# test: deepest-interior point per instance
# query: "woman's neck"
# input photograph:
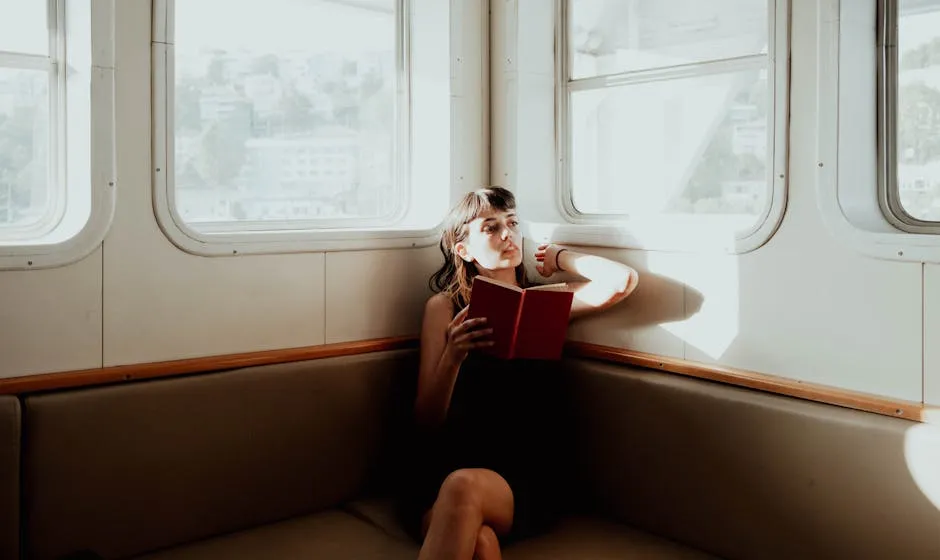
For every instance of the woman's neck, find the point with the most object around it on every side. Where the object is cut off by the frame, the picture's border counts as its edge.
(507, 275)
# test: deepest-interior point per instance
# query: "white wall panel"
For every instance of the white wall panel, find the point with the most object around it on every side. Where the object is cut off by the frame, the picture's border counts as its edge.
(161, 303)
(502, 86)
(50, 319)
(932, 335)
(822, 317)
(172, 305)
(374, 294)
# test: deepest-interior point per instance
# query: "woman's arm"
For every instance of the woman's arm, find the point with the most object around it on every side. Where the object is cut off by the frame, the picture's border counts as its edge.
(608, 282)
(445, 342)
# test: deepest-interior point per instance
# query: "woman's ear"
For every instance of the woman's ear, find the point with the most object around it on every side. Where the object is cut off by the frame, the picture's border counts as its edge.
(461, 250)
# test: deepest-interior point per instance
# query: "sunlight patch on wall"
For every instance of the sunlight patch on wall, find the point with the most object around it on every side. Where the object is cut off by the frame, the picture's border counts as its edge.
(712, 299)
(922, 453)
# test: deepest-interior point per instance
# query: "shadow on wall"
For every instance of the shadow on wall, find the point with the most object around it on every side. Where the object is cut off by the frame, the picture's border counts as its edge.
(645, 308)
(650, 320)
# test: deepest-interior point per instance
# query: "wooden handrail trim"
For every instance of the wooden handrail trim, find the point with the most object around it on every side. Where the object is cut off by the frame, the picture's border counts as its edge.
(729, 376)
(135, 372)
(761, 382)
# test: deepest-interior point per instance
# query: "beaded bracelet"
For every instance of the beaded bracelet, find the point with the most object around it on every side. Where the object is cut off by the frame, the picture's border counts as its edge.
(557, 266)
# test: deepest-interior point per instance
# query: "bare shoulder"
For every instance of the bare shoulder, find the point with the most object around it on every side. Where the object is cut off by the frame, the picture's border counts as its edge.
(439, 309)
(439, 304)
(438, 313)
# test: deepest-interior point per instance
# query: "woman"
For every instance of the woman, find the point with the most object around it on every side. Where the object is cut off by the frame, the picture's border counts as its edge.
(483, 470)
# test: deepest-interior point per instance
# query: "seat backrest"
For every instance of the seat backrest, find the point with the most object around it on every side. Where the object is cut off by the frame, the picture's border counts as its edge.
(744, 474)
(126, 469)
(9, 477)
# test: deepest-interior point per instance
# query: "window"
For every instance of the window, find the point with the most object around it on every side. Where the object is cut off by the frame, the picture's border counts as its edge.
(52, 210)
(909, 104)
(30, 195)
(673, 112)
(300, 135)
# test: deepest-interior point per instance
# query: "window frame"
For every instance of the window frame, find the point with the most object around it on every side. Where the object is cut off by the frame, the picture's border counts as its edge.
(847, 146)
(887, 19)
(78, 116)
(292, 237)
(630, 232)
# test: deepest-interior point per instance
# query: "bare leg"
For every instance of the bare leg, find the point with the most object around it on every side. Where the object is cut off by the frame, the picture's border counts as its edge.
(487, 545)
(468, 500)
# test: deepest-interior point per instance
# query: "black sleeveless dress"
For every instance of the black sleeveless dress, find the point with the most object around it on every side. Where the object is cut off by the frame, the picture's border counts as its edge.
(506, 416)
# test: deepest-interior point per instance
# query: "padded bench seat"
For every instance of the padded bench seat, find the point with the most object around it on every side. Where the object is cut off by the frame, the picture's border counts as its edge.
(329, 534)
(366, 530)
(9, 476)
(273, 462)
(130, 469)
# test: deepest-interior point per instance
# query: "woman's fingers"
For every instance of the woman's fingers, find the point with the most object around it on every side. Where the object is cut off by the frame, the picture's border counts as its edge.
(477, 334)
(465, 327)
(468, 324)
(472, 335)
(472, 323)
(459, 317)
(478, 344)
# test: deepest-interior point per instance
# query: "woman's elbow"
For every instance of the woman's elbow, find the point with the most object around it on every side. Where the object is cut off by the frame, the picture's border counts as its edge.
(622, 289)
(633, 281)
(629, 283)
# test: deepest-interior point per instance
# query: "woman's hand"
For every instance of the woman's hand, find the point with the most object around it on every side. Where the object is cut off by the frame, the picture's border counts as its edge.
(463, 335)
(547, 257)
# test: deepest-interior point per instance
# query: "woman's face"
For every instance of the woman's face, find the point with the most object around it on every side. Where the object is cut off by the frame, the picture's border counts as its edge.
(493, 241)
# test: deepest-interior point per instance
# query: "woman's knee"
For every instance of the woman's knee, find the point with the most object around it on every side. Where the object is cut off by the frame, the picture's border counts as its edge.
(462, 488)
(479, 493)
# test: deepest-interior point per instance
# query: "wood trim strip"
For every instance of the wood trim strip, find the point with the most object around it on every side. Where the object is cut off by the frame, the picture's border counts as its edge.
(768, 383)
(136, 372)
(730, 376)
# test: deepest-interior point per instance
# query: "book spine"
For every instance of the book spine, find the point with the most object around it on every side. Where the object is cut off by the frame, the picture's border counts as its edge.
(515, 327)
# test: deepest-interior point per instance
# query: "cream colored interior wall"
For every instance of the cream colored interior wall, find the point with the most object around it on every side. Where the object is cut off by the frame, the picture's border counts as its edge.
(932, 334)
(141, 299)
(50, 319)
(802, 306)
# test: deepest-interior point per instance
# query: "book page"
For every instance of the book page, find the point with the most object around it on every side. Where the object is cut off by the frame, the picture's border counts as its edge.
(497, 282)
(550, 287)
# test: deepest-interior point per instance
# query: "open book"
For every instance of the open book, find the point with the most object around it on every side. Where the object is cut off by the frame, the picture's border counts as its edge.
(527, 323)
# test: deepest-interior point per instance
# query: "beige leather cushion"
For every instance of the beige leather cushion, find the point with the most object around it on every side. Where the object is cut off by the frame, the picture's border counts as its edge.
(380, 513)
(745, 474)
(128, 469)
(577, 538)
(328, 535)
(596, 539)
(9, 477)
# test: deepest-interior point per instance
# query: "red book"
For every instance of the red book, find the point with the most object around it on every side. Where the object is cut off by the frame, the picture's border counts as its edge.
(529, 323)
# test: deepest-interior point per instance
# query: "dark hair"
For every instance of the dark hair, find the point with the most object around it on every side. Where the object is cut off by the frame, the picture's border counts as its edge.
(455, 277)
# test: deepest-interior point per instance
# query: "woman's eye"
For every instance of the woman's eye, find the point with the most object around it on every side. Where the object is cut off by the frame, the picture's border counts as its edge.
(514, 224)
